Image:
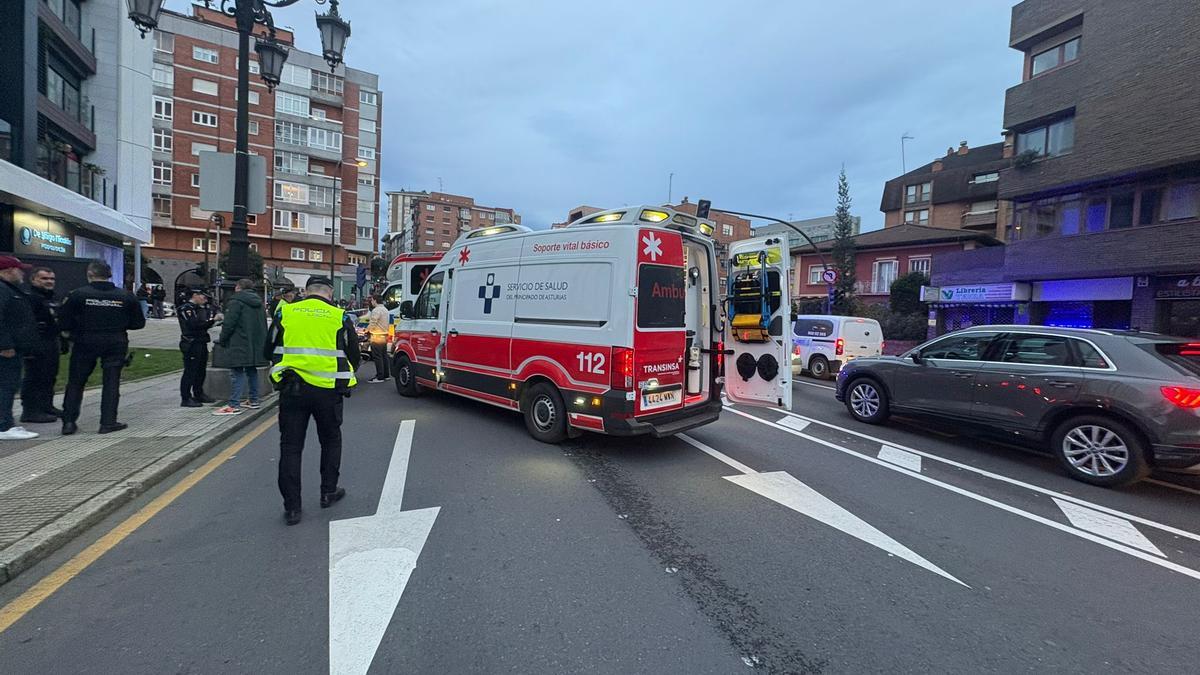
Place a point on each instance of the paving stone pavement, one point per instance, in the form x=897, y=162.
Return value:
x=54, y=486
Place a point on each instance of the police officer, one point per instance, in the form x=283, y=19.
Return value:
x=314, y=347
x=41, y=362
x=97, y=316
x=195, y=318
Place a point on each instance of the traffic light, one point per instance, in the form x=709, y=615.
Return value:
x=702, y=208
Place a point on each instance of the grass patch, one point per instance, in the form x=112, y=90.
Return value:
x=147, y=362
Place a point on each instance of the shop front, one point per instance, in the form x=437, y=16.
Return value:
x=1177, y=305
x=58, y=244
x=1083, y=303
x=954, y=308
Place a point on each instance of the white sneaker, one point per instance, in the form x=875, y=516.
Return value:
x=17, y=434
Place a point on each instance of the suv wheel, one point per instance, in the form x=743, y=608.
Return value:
x=867, y=401
x=1100, y=451
x=545, y=413
x=818, y=367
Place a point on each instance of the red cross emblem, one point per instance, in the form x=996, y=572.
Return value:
x=464, y=256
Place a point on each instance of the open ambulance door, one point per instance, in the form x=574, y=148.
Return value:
x=758, y=368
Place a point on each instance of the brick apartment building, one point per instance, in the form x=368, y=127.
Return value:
x=316, y=125
x=432, y=221
x=1105, y=184
x=956, y=191
x=575, y=214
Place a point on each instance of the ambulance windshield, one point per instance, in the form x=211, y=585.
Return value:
x=661, y=293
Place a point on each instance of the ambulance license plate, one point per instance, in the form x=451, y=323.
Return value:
x=660, y=399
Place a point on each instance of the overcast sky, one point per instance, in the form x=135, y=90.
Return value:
x=543, y=105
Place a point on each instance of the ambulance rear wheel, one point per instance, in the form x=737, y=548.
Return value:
x=545, y=413
x=402, y=373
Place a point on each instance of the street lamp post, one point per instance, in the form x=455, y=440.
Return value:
x=271, y=55
x=824, y=262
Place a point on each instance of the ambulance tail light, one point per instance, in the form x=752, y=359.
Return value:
x=720, y=350
x=840, y=347
x=622, y=369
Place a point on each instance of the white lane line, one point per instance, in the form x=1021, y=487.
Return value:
x=781, y=487
x=717, y=454
x=1117, y=529
x=1142, y=555
x=792, y=422
x=814, y=384
x=1173, y=486
x=1003, y=479
x=896, y=456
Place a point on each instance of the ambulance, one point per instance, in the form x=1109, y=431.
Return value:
x=612, y=324
x=406, y=275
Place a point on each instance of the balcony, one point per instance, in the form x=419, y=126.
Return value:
x=980, y=220
x=77, y=122
x=1043, y=96
x=70, y=39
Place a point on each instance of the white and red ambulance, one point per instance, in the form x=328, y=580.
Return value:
x=406, y=275
x=612, y=324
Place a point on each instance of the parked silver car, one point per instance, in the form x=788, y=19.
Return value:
x=1111, y=405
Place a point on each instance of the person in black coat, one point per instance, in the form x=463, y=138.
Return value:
x=17, y=337
x=98, y=317
x=195, y=318
x=41, y=362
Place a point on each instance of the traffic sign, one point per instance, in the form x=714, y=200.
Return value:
x=829, y=275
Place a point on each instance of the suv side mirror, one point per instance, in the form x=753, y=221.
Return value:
x=406, y=309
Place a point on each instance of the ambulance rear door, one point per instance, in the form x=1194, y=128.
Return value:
x=757, y=317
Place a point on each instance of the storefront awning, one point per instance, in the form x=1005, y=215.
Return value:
x=32, y=192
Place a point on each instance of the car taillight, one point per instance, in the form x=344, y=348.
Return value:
x=1182, y=396
x=882, y=346
x=795, y=350
x=840, y=348
x=1190, y=349
x=622, y=369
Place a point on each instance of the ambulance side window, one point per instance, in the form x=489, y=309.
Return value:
x=430, y=300
x=392, y=296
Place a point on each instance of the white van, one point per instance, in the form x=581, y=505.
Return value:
x=405, y=277
x=822, y=344
x=612, y=324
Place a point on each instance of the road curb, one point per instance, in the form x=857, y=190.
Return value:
x=48, y=539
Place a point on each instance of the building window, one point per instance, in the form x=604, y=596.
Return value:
x=251, y=219
x=1182, y=202
x=355, y=259
x=205, y=87
x=164, y=108
x=366, y=179
x=915, y=194
x=163, y=76
x=254, y=68
x=364, y=232
x=917, y=217
x=326, y=83
x=290, y=162
x=297, y=253
x=253, y=97
x=164, y=42
x=429, y=230
x=365, y=152
x=429, y=242
x=291, y=133
x=292, y=104
x=368, y=97
x=1050, y=140
x=983, y=207
x=292, y=193
x=885, y=272
x=314, y=256
x=324, y=139
x=297, y=76
x=989, y=177
x=195, y=179
x=918, y=265
x=320, y=196
x=163, y=141
x=205, y=55
x=814, y=274
x=162, y=173
x=365, y=206
x=366, y=125
x=198, y=148
x=252, y=128
x=291, y=221
x=1054, y=57
x=430, y=207
x=200, y=243
x=445, y=244
x=204, y=119
x=162, y=206
x=726, y=229
x=198, y=213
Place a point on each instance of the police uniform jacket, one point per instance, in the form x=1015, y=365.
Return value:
x=194, y=322
x=100, y=312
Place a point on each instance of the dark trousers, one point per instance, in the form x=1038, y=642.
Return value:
x=10, y=381
x=379, y=356
x=324, y=406
x=83, y=361
x=41, y=369
x=195, y=366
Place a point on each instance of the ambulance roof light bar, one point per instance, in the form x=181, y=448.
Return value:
x=662, y=216
x=494, y=231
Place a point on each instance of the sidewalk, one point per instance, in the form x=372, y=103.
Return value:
x=54, y=487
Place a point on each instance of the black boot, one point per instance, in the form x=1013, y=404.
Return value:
x=69, y=428
x=191, y=403
x=115, y=426
x=328, y=499
x=292, y=517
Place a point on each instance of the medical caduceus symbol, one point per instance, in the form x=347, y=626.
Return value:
x=653, y=246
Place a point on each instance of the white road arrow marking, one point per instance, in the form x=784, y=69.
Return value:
x=781, y=487
x=897, y=456
x=370, y=561
x=1117, y=529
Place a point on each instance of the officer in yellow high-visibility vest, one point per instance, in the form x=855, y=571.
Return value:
x=314, y=347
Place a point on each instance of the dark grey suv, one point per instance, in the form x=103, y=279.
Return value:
x=1110, y=405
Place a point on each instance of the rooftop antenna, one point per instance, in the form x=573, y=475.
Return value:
x=903, y=163
x=670, y=187
x=440, y=184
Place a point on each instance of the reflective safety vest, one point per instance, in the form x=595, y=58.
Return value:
x=310, y=345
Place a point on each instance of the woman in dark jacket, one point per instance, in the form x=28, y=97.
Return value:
x=243, y=335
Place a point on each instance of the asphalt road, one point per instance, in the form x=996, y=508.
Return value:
x=824, y=553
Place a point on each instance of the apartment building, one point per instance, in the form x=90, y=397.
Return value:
x=817, y=229
x=957, y=191
x=74, y=134
x=1105, y=176
x=432, y=221
x=319, y=132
